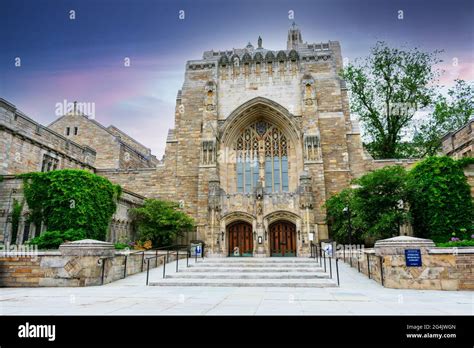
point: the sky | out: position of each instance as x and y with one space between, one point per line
83 58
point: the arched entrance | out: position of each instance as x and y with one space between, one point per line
240 239
282 238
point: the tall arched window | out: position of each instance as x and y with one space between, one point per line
262 150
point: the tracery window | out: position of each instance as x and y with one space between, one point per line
262 151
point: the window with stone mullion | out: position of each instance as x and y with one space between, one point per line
275 154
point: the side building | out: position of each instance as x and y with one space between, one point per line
27 146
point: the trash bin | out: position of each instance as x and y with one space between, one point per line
197 248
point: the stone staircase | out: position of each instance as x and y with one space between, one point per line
250 272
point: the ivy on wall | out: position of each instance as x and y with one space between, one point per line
71 199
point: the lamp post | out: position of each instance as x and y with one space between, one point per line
347 212
401 207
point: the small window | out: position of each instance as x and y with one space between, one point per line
75 130
68 130
49 163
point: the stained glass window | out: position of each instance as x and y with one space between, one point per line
274 151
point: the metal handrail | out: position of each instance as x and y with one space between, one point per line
322 255
177 247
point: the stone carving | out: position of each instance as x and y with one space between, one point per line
211 97
309 92
214 195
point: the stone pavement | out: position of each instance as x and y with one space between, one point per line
357 295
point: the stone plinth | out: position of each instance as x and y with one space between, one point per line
398 245
87 247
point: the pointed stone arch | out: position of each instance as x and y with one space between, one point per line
259 108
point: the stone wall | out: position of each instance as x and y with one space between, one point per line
54 268
442 268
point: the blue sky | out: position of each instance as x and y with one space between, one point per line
82 59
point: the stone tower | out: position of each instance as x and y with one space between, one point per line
294 37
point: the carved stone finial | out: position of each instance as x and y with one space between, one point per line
259 42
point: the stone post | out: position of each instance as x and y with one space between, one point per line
398 245
392 267
88 260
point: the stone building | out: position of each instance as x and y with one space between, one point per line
459 143
26 146
261 140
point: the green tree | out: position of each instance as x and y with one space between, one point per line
161 221
440 199
338 221
71 199
450 113
386 90
379 202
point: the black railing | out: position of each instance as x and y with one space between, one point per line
168 249
318 251
177 249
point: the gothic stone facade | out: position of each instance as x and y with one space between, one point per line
262 138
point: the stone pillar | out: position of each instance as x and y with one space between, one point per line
21 231
306 206
214 208
398 245
396 273
32 230
8 231
88 260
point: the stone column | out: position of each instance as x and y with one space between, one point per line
306 206
21 231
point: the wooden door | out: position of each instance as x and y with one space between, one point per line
240 239
282 239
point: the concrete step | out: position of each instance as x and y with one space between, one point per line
242 275
256 259
291 283
254 264
251 269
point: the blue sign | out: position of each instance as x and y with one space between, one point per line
413 257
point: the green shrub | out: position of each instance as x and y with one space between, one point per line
121 246
440 199
338 221
71 199
378 202
53 239
459 243
161 221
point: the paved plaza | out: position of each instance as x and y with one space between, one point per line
357 295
